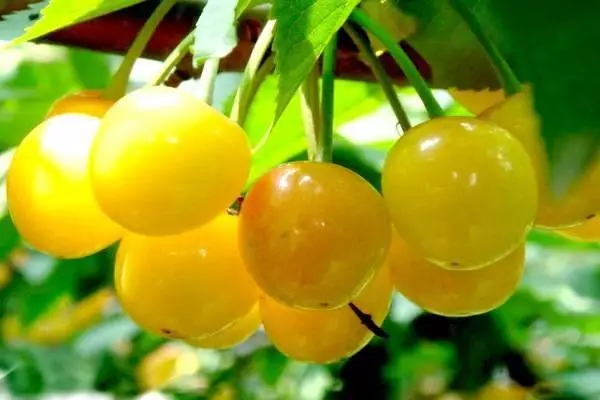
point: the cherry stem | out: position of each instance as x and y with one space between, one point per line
236 207
206 82
507 77
173 59
402 59
369 56
247 87
311 118
118 85
325 139
368 322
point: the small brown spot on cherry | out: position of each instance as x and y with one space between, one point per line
170 333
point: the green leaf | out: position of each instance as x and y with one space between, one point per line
215 34
304 27
353 100
455 56
398 24
91 68
555 48
560 64
63 13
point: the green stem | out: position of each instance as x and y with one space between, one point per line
412 74
325 144
206 82
118 85
507 77
309 101
173 59
242 96
382 77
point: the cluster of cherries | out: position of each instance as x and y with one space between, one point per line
313 245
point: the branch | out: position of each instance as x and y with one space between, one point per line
114 33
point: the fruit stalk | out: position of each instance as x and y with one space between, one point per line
173 59
509 81
311 118
206 83
361 18
118 85
368 322
380 75
325 140
247 86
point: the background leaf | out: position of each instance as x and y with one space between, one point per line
215 34
287 138
304 27
555 48
544 45
461 62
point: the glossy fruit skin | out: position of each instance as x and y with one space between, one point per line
233 335
313 234
165 162
477 101
326 336
517 115
454 293
461 191
49 193
184 286
89 102
589 231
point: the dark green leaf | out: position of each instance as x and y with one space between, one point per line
215 34
555 48
304 27
447 44
546 48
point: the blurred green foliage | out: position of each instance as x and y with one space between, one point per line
548 334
